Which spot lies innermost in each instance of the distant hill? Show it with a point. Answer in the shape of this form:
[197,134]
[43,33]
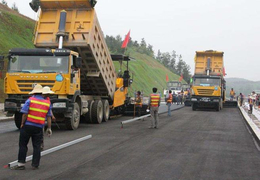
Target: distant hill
[242,85]
[16,31]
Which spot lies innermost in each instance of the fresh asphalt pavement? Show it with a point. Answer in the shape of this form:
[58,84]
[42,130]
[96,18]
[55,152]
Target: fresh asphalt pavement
[187,145]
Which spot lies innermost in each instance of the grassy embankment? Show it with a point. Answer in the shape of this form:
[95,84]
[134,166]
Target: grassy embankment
[15,31]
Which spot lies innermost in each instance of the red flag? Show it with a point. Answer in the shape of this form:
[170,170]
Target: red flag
[124,45]
[224,72]
[181,78]
[167,78]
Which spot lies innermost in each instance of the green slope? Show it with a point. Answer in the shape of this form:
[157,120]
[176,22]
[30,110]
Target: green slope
[147,73]
[16,31]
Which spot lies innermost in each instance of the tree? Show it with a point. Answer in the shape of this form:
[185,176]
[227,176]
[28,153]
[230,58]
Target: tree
[186,72]
[15,8]
[136,44]
[165,59]
[180,66]
[150,50]
[172,64]
[4,2]
[159,56]
[143,43]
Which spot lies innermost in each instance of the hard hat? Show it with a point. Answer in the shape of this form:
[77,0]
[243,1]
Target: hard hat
[47,90]
[37,89]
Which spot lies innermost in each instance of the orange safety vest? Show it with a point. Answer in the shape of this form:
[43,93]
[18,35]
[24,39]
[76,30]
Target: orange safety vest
[138,104]
[155,100]
[169,100]
[250,101]
[38,110]
[232,93]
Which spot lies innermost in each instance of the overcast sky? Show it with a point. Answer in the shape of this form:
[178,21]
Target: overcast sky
[232,26]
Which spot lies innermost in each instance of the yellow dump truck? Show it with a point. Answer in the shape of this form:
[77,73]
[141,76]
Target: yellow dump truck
[72,58]
[208,86]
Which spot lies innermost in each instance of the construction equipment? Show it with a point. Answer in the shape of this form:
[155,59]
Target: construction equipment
[209,86]
[174,86]
[72,58]
[186,93]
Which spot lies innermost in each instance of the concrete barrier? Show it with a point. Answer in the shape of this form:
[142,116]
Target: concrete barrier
[252,126]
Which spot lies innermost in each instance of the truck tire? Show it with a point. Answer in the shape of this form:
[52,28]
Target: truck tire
[221,104]
[18,119]
[97,112]
[73,122]
[194,107]
[106,110]
[218,107]
[88,118]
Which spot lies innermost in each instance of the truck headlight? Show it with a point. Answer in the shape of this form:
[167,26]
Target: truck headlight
[10,105]
[215,100]
[59,105]
[193,99]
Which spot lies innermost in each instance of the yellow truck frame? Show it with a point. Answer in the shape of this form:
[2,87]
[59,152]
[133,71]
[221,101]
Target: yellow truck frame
[72,58]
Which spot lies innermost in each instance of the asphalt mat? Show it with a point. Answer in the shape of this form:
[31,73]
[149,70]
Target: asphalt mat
[188,145]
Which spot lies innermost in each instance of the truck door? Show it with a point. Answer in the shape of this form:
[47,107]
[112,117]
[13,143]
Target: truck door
[75,76]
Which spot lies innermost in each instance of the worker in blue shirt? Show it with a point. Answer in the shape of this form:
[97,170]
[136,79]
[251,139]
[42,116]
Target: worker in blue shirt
[35,111]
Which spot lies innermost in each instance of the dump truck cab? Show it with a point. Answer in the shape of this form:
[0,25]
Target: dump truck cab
[57,68]
[207,92]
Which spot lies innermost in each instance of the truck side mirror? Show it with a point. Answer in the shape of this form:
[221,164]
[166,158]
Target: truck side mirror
[77,62]
[2,62]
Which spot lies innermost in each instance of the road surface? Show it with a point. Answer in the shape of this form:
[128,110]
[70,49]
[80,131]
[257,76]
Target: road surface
[188,145]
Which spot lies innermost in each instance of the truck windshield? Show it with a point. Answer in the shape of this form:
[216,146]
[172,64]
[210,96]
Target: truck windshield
[39,64]
[206,82]
[172,84]
[175,88]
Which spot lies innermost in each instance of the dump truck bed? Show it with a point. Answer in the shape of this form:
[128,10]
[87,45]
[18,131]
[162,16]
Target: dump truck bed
[84,36]
[216,64]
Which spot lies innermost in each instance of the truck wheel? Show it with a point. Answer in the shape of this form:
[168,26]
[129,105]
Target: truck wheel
[73,122]
[194,107]
[97,112]
[88,117]
[218,107]
[106,110]
[18,119]
[221,104]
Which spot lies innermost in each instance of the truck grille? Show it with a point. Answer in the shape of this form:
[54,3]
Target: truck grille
[206,92]
[26,85]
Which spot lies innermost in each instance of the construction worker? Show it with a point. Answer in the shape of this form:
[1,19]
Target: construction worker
[35,110]
[232,94]
[46,91]
[138,103]
[154,103]
[251,105]
[241,97]
[169,102]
